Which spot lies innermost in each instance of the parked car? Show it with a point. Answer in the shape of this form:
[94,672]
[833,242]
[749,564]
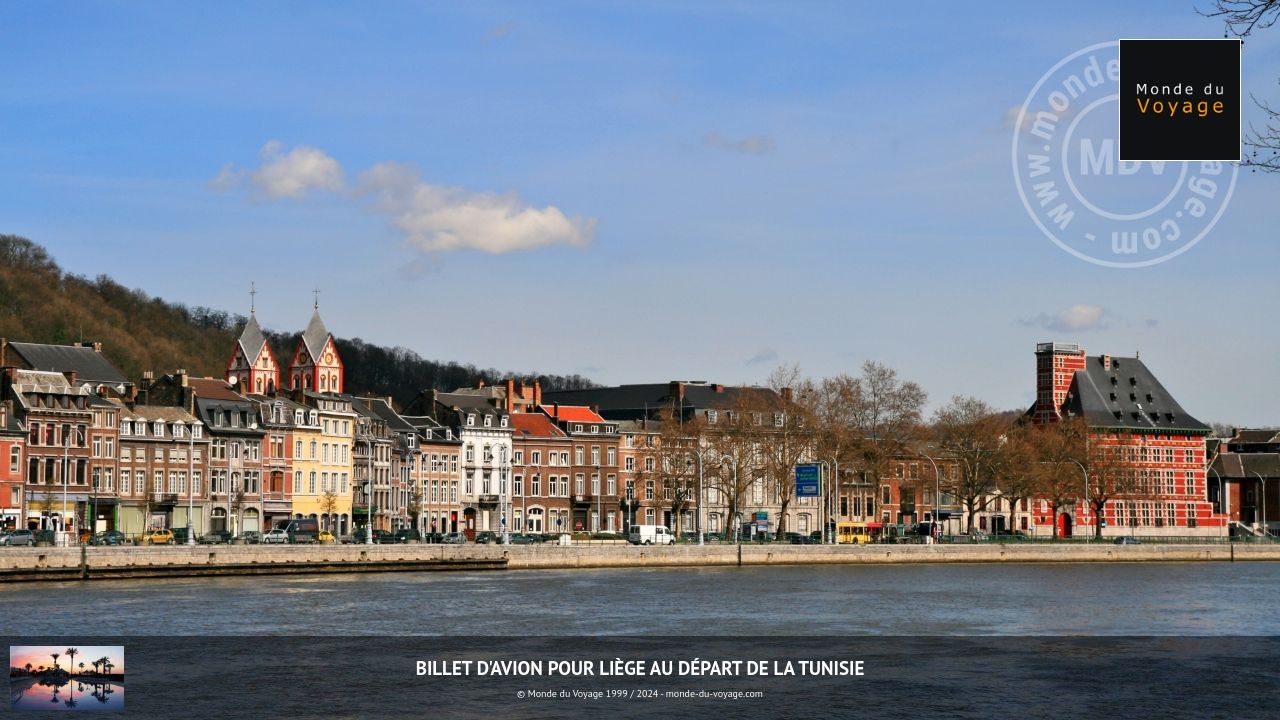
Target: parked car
[453,539]
[525,539]
[18,537]
[161,536]
[299,530]
[379,536]
[278,536]
[433,538]
[1128,540]
[799,539]
[407,535]
[487,538]
[217,537]
[651,535]
[250,537]
[108,537]
[325,537]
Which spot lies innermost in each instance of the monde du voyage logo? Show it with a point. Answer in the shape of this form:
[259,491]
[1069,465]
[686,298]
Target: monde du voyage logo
[1124,153]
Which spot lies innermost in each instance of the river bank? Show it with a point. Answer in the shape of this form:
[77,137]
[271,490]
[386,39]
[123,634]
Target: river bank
[36,564]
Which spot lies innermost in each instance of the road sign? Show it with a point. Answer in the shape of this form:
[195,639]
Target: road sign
[808,480]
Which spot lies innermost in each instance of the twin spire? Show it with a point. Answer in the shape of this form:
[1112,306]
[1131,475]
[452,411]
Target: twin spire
[314,366]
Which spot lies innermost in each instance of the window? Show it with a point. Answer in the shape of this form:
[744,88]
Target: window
[535,485]
[578,456]
[611,456]
[595,456]
[488,420]
[15,460]
[579,484]
[629,463]
[311,484]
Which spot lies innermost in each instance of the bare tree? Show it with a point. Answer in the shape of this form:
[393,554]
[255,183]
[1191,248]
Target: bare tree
[884,416]
[971,434]
[1241,18]
[1016,469]
[1111,475]
[734,457]
[786,435]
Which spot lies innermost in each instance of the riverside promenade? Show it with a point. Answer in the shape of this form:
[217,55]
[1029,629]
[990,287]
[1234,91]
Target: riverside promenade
[95,563]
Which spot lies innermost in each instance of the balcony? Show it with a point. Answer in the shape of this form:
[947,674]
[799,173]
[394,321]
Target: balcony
[487,499]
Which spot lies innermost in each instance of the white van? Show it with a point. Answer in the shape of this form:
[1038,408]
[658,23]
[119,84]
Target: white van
[651,535]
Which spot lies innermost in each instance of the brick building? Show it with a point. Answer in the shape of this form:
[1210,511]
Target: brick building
[1162,447]
[594,492]
[12,443]
[1244,480]
[540,453]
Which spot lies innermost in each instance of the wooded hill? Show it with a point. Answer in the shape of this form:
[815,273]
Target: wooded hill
[41,303]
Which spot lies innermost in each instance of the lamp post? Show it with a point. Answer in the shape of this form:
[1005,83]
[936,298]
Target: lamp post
[701,527]
[191,479]
[1222,497]
[1086,495]
[66,467]
[937,496]
[93,524]
[1263,482]
[368,516]
[734,520]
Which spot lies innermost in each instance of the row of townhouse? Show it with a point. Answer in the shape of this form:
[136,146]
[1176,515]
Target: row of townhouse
[83,447]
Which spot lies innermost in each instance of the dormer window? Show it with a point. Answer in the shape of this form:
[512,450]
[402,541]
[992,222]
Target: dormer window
[126,428]
[471,420]
[488,420]
[313,418]
[711,417]
[577,428]
[595,429]
[504,422]
[141,427]
[197,431]
[777,419]
[179,430]
[157,428]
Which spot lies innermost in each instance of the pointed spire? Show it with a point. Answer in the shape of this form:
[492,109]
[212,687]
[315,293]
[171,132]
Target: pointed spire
[316,293]
[253,292]
[316,335]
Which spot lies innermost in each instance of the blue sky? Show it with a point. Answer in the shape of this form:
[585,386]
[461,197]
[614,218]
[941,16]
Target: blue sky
[682,190]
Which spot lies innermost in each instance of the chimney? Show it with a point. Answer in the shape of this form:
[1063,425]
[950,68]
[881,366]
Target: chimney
[71,376]
[1106,362]
[97,347]
[676,390]
[511,394]
[555,411]
[718,388]
[786,394]
[537,392]
[481,383]
[182,377]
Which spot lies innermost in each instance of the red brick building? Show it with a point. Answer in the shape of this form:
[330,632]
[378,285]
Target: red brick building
[540,453]
[1160,444]
[594,490]
[12,442]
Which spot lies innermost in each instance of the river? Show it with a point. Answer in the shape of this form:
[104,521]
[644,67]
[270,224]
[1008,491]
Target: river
[927,600]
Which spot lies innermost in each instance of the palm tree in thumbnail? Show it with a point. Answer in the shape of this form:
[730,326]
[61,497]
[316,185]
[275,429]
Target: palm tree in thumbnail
[81,668]
[55,657]
[71,655]
[28,668]
[108,664]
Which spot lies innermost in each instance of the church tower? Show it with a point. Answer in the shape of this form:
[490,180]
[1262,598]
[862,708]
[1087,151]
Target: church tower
[316,365]
[252,367]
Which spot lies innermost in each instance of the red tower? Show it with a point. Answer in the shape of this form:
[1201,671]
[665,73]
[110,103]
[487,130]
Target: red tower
[252,366]
[315,364]
[1056,366]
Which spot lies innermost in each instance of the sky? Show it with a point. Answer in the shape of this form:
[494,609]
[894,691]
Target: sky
[637,192]
[37,655]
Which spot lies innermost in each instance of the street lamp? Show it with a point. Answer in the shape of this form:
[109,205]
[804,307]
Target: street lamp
[937,496]
[191,479]
[66,447]
[368,515]
[734,520]
[1263,482]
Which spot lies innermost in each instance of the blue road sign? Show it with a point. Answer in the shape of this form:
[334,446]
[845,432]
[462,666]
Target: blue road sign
[808,480]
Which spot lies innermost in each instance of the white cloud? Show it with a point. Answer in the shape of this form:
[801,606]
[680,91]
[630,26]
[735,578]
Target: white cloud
[500,31]
[1077,318]
[432,218]
[435,218]
[284,175]
[767,355]
[749,145]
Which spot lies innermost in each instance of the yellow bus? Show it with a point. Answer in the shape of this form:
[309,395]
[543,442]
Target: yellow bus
[859,533]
